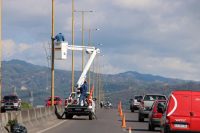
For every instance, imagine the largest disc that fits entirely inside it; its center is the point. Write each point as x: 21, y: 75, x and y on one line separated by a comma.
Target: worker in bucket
x: 59, y: 38
x: 83, y: 91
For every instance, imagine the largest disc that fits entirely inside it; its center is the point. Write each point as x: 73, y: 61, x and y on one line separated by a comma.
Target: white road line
x: 44, y: 130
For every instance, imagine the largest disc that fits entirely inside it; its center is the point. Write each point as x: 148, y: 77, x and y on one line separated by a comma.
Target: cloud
x: 32, y: 53
x: 157, y: 37
x: 10, y: 48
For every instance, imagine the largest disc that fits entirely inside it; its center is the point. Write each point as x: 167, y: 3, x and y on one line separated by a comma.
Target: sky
x: 159, y: 37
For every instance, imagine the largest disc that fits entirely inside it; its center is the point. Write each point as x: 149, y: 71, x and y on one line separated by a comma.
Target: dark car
x: 134, y: 103
x: 10, y: 102
x: 57, y: 101
x: 155, y: 116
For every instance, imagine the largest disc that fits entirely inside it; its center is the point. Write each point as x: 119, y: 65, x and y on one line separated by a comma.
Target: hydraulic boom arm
x: 90, y: 50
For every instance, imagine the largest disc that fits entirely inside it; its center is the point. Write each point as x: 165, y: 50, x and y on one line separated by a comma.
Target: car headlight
x: 16, y: 104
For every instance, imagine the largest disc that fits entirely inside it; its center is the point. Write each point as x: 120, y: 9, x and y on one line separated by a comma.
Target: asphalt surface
x: 108, y: 121
x: 137, y: 127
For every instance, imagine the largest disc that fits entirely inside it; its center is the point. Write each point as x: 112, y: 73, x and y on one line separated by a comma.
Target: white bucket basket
x: 61, y: 50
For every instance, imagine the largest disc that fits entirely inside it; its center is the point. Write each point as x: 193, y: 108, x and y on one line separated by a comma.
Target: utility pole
x: 99, y: 81
x: 72, y: 87
x: 0, y: 52
x: 89, y: 44
x: 97, y: 71
x: 82, y: 30
x: 82, y: 39
x: 52, y: 57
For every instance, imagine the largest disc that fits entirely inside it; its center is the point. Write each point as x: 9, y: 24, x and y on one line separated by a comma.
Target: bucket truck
x: 72, y: 105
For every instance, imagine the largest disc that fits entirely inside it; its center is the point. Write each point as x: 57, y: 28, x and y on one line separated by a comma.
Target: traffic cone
x: 123, y: 122
x: 118, y: 108
x: 129, y: 130
x: 121, y: 113
x: 120, y: 104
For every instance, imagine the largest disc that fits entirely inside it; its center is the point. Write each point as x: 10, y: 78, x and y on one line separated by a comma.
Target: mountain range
x: 33, y: 81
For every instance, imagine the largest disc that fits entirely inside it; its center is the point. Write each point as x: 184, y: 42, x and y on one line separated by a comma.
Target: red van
x: 182, y: 112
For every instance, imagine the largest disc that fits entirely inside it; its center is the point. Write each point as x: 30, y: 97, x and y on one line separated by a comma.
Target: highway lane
x: 137, y: 127
x: 108, y: 121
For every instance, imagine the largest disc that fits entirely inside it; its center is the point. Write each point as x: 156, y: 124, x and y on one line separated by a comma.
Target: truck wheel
x: 140, y: 117
x: 90, y: 116
x: 67, y: 116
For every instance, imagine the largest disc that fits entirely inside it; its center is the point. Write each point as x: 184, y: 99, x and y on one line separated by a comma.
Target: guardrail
x: 29, y: 118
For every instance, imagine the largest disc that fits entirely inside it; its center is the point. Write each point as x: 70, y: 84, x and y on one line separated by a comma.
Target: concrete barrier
x: 3, y: 121
x: 29, y: 118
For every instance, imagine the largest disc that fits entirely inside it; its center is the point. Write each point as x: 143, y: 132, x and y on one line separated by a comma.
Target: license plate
x: 78, y: 109
x: 180, y: 125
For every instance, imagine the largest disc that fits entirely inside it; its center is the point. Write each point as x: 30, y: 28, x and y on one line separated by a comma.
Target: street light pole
x: 0, y: 51
x: 72, y: 87
x: 82, y: 40
x: 89, y: 44
x: 99, y: 82
x: 83, y: 14
x: 52, y: 57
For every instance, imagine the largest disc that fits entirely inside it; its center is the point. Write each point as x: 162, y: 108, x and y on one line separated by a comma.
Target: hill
x: 27, y: 79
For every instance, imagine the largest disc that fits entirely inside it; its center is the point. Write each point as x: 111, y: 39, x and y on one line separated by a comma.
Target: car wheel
x: 132, y: 110
x: 151, y: 127
x: 90, y: 116
x: 140, y: 117
x: 167, y: 129
x: 3, y: 110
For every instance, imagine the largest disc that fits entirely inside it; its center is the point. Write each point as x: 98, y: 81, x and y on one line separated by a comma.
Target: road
x: 108, y: 121
x: 137, y: 127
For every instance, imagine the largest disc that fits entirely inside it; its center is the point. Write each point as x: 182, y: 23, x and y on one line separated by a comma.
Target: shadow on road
x: 129, y: 112
x: 133, y: 121
x: 79, y: 118
x: 144, y: 130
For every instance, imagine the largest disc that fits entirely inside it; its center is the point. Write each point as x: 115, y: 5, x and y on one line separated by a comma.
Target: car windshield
x: 138, y: 97
x: 10, y: 98
x: 154, y: 97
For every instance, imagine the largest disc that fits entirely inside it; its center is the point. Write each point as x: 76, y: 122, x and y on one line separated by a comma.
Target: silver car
x: 134, y: 103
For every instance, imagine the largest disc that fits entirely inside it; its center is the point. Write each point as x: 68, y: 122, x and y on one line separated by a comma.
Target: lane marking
x: 175, y: 106
x: 44, y: 130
